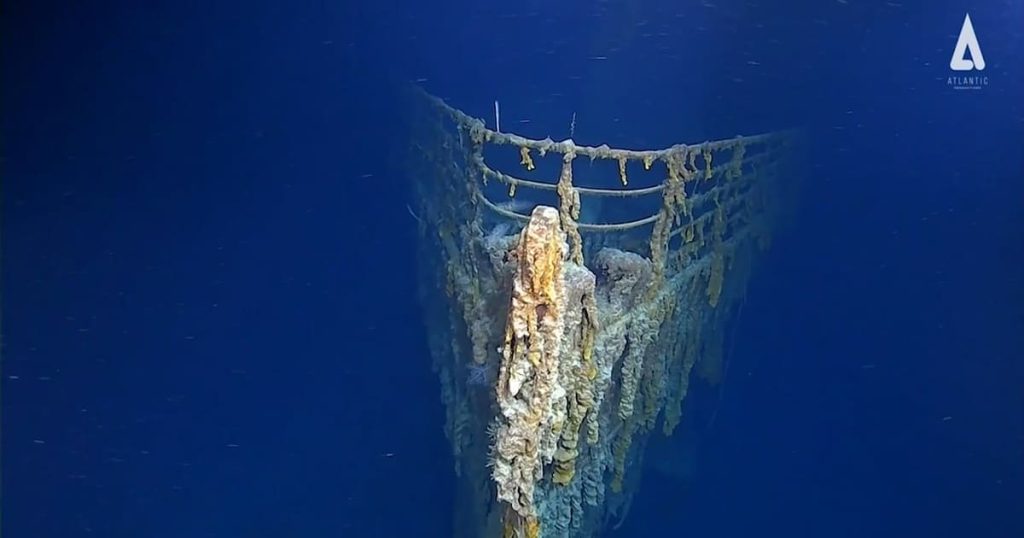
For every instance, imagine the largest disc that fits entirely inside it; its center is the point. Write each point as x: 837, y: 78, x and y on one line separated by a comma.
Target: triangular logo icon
x: 967, y: 41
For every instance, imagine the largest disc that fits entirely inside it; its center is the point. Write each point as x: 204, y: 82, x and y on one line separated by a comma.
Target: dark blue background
x: 209, y: 315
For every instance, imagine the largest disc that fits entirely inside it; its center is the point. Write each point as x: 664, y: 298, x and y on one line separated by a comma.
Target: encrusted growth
x: 560, y: 340
x: 528, y: 387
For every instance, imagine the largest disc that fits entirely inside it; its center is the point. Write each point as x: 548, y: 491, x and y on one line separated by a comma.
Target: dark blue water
x: 209, y: 314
